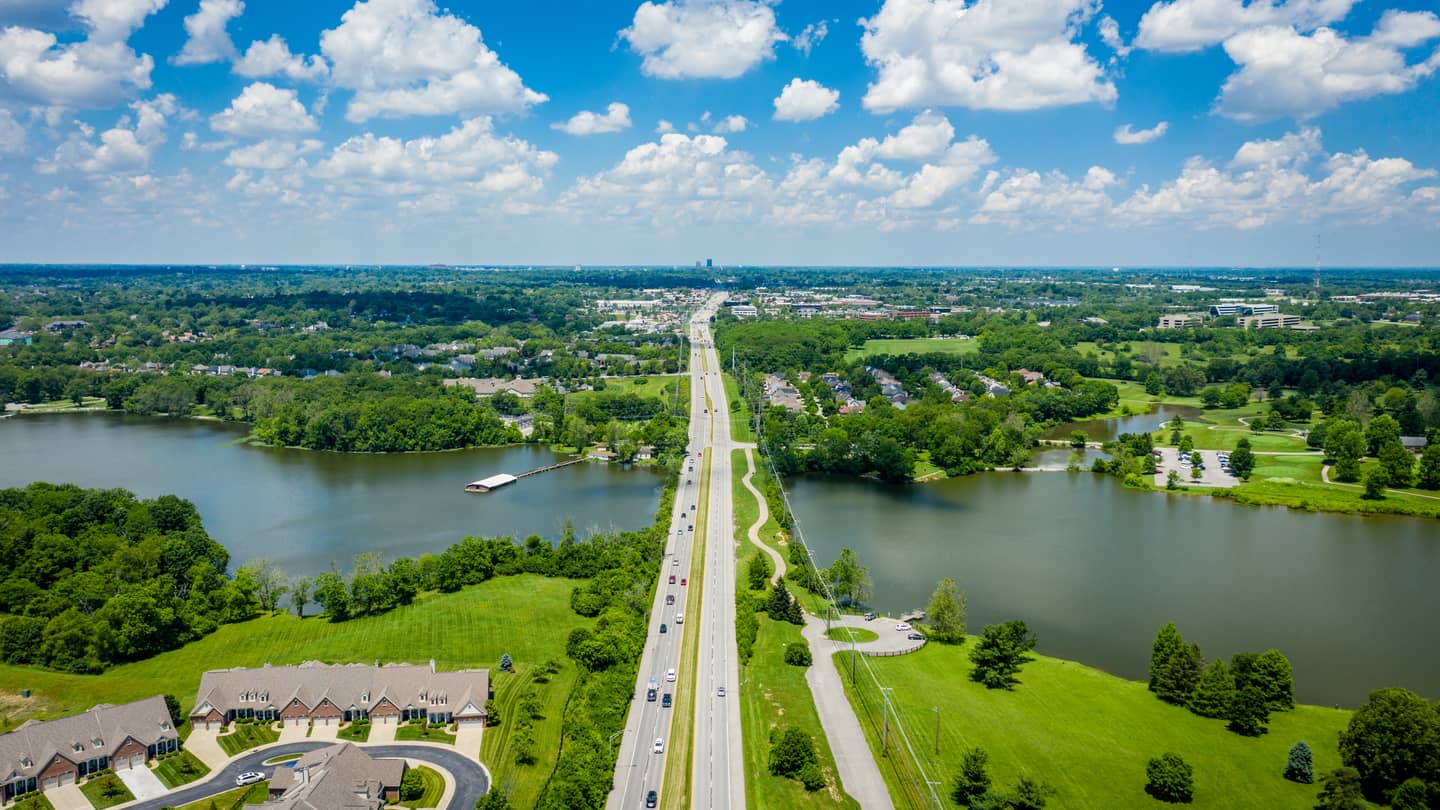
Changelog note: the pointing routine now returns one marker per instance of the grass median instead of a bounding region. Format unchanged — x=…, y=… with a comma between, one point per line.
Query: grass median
x=675, y=790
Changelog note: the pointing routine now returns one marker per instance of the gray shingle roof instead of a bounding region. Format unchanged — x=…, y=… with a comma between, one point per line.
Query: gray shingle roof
x=98, y=732
x=340, y=777
x=348, y=686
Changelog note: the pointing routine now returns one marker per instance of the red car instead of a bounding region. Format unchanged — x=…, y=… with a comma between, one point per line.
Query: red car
x=672, y=579
x=682, y=582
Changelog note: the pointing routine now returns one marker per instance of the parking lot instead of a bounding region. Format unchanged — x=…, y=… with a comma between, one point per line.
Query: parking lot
x=1213, y=475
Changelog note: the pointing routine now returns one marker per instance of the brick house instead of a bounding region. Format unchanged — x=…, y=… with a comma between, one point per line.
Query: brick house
x=44, y=754
x=340, y=777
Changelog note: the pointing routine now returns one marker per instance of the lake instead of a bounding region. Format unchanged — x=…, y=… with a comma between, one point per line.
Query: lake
x=306, y=510
x=1096, y=569
x=1104, y=430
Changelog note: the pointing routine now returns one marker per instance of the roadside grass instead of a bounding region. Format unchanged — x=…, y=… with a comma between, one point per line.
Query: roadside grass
x=36, y=801
x=106, y=791
x=1319, y=497
x=675, y=785
x=244, y=736
x=524, y=783
x=657, y=387
x=946, y=345
x=257, y=793
x=774, y=694
x=180, y=769
x=740, y=415
x=527, y=616
x=857, y=634
x=355, y=732
x=1088, y=733
x=434, y=788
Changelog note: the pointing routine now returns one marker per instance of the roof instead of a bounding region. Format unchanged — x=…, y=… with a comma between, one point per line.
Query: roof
x=489, y=386
x=335, y=778
x=494, y=481
x=98, y=732
x=347, y=686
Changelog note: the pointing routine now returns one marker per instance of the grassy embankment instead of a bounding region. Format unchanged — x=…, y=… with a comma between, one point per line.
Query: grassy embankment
x=434, y=788
x=1088, y=733
x=740, y=415
x=675, y=785
x=944, y=345
x=774, y=694
x=528, y=617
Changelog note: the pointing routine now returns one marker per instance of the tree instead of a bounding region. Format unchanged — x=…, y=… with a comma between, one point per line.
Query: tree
x=1300, y=765
x=1341, y=791
x=506, y=664
x=300, y=595
x=849, y=580
x=1170, y=778
x=1375, y=481
x=1195, y=473
x=332, y=595
x=1187, y=444
x=973, y=781
x=758, y=571
x=1346, y=445
x=811, y=777
x=1248, y=713
x=1242, y=459
x=412, y=785
x=1429, y=477
x=793, y=751
x=1398, y=464
x=1167, y=641
x=782, y=607
x=1030, y=794
x=1172, y=481
x=797, y=654
x=946, y=613
x=1078, y=439
x=1382, y=430
x=270, y=582
x=494, y=800
x=172, y=707
x=1214, y=691
x=1180, y=675
x=1002, y=650
x=1413, y=794
x=1393, y=737
x=1272, y=676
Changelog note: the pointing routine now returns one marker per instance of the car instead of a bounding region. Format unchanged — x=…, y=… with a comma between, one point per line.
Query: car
x=650, y=695
x=679, y=618
x=683, y=580
x=693, y=507
x=720, y=692
x=669, y=598
x=665, y=701
x=902, y=627
x=691, y=527
x=651, y=799
x=249, y=778
x=689, y=480
x=675, y=561
x=664, y=628
x=915, y=637
x=672, y=579
x=870, y=617
x=659, y=746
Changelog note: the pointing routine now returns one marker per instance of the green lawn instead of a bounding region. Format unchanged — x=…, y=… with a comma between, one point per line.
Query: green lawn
x=523, y=783
x=661, y=387
x=740, y=415
x=355, y=732
x=1133, y=399
x=853, y=634
x=233, y=799
x=1088, y=733
x=434, y=788
x=420, y=732
x=913, y=346
x=106, y=791
x=675, y=782
x=36, y=801
x=243, y=737
x=180, y=769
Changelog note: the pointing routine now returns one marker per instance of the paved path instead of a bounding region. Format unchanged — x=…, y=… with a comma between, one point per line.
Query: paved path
x=859, y=774
x=764, y=516
x=143, y=783
x=467, y=738
x=891, y=641
x=1325, y=476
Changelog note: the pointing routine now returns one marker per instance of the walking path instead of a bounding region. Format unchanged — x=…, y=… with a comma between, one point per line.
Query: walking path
x=1325, y=476
x=854, y=762
x=764, y=516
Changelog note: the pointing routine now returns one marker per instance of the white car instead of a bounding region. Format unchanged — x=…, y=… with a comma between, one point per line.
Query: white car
x=720, y=692
x=670, y=676
x=249, y=778
x=902, y=627
x=659, y=746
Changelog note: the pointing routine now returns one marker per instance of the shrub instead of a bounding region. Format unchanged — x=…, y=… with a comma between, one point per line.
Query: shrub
x=1169, y=779
x=798, y=654
x=412, y=785
x=811, y=777
x=1300, y=766
x=973, y=781
x=1411, y=795
x=792, y=752
x=1341, y=791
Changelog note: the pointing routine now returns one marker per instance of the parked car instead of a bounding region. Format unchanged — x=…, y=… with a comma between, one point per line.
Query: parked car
x=651, y=799
x=902, y=627
x=915, y=637
x=659, y=746
x=665, y=701
x=249, y=778
x=870, y=617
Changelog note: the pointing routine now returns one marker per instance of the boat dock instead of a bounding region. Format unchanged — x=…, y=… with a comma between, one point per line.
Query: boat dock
x=504, y=479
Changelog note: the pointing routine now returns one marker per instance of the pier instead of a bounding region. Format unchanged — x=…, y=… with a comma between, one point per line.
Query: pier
x=504, y=479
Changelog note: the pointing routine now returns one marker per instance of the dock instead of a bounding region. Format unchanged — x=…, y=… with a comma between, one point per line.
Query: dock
x=494, y=482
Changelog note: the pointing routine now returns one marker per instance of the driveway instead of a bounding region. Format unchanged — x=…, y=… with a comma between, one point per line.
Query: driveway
x=142, y=782
x=203, y=745
x=293, y=733
x=325, y=733
x=471, y=780
x=891, y=641
x=467, y=739
x=68, y=797
x=382, y=733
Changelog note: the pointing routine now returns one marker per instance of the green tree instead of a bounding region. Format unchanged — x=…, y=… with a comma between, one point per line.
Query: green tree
x=1170, y=778
x=1375, y=481
x=1272, y=675
x=494, y=800
x=1172, y=480
x=1345, y=443
x=1078, y=439
x=1180, y=675
x=1429, y=477
x=1340, y=790
x=946, y=613
x=1030, y=794
x=506, y=664
x=1413, y=794
x=1248, y=713
x=797, y=654
x=1398, y=464
x=1167, y=641
x=1002, y=650
x=791, y=752
x=1393, y=737
x=270, y=582
x=1154, y=384
x=300, y=595
x=1214, y=692
x=332, y=595
x=849, y=580
x=412, y=785
x=1382, y=430
x=758, y=571
x=1187, y=444
x=973, y=781
x=1242, y=460
x=1300, y=765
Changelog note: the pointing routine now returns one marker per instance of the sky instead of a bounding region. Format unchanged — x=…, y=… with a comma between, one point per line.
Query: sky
x=818, y=132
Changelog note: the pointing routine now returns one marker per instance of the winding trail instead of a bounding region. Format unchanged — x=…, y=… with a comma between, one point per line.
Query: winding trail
x=764, y=516
x=1325, y=476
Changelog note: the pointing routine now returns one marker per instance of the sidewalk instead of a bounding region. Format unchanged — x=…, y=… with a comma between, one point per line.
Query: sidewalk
x=859, y=774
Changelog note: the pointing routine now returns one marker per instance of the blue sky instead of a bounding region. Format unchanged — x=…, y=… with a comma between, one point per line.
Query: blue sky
x=880, y=132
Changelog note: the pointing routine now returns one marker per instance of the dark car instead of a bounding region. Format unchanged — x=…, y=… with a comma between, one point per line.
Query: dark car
x=650, y=695
x=665, y=701
x=651, y=799
x=915, y=637
x=662, y=629
x=669, y=598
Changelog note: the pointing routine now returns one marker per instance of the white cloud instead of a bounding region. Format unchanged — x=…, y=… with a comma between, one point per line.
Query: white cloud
x=810, y=36
x=114, y=20
x=1110, y=35
x=94, y=72
x=406, y=57
x=702, y=39
x=1285, y=73
x=677, y=178
x=960, y=164
x=263, y=109
x=271, y=155
x=986, y=54
x=731, y=124
x=664, y=126
x=272, y=57
x=1029, y=199
x=1189, y=25
x=805, y=100
x=125, y=149
x=1291, y=149
x=208, y=40
x=585, y=122
x=12, y=134
x=1125, y=135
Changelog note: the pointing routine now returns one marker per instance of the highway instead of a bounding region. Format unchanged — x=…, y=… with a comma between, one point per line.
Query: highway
x=639, y=770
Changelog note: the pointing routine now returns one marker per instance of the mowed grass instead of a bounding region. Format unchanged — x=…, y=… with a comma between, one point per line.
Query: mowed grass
x=675, y=785
x=420, y=732
x=233, y=799
x=106, y=791
x=434, y=788
x=523, y=783
x=896, y=346
x=857, y=634
x=243, y=737
x=740, y=416
x=1090, y=734
x=660, y=387
x=180, y=769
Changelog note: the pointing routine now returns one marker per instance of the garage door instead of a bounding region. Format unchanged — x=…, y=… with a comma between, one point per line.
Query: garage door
x=132, y=762
x=294, y=721
x=50, y=783
x=384, y=719
x=470, y=721
x=328, y=721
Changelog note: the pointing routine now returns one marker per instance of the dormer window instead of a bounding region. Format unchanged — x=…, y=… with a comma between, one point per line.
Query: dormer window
x=97, y=742
x=165, y=724
x=77, y=748
x=26, y=762
x=364, y=697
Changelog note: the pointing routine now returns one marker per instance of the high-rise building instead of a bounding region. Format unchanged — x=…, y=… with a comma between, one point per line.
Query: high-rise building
x=709, y=263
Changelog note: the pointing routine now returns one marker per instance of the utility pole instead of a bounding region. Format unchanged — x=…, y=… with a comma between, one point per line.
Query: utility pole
x=885, y=720
x=937, y=729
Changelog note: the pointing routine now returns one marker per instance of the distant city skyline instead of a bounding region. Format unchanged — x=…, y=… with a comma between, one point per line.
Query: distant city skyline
x=1011, y=133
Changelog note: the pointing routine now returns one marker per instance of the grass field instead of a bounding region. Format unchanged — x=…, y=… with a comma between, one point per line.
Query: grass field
x=420, y=732
x=35, y=801
x=913, y=346
x=233, y=799
x=661, y=387
x=180, y=769
x=675, y=787
x=106, y=791
x=243, y=737
x=740, y=416
x=1090, y=734
x=859, y=634
x=523, y=783
x=434, y=788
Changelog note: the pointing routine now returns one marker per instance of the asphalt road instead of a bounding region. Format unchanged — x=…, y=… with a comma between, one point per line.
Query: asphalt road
x=638, y=769
x=471, y=781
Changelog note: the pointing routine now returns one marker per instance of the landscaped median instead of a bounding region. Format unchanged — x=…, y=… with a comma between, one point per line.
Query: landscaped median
x=675, y=790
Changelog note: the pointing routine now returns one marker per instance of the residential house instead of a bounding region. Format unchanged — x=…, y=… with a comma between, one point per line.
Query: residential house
x=340, y=777
x=328, y=694
x=40, y=755
x=65, y=326
x=12, y=336
x=490, y=386
x=1030, y=377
